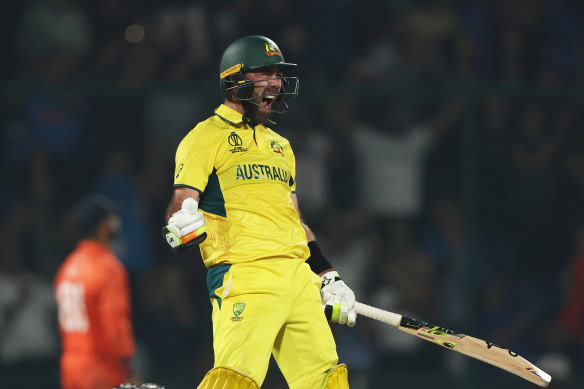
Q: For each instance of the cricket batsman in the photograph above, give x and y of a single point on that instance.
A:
(234, 196)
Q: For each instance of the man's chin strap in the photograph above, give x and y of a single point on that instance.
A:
(249, 121)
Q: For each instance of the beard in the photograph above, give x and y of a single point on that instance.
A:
(255, 114)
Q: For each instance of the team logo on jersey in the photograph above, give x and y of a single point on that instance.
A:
(237, 310)
(235, 141)
(277, 148)
(272, 49)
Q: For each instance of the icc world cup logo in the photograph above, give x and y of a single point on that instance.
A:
(234, 139)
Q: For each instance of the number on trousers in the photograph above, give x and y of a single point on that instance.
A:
(72, 311)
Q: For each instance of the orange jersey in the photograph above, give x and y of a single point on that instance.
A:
(573, 314)
(93, 299)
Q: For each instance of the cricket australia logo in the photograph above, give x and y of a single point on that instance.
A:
(277, 148)
(235, 141)
(237, 310)
(272, 49)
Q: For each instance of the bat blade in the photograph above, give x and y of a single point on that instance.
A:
(482, 350)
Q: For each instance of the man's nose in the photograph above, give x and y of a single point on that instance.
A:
(275, 83)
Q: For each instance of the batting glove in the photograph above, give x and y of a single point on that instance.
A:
(186, 227)
(338, 300)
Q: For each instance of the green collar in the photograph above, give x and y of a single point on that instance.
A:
(232, 116)
(229, 115)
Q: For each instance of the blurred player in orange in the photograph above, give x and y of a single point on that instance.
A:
(572, 316)
(93, 298)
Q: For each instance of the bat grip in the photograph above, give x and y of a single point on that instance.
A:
(378, 314)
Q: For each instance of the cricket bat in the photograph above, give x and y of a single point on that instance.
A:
(480, 349)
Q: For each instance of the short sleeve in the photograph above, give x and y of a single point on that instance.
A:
(195, 159)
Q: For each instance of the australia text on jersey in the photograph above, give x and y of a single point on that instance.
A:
(258, 171)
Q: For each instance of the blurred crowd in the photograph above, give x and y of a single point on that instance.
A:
(440, 162)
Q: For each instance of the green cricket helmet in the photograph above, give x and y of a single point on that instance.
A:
(251, 53)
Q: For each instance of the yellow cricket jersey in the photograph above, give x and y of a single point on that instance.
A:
(245, 177)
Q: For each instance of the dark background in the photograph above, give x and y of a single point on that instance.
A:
(96, 95)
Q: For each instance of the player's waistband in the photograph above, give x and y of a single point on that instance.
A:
(216, 273)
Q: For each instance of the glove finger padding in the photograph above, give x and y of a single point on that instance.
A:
(190, 205)
(338, 300)
(352, 318)
(186, 227)
(173, 228)
(343, 314)
(188, 223)
(188, 218)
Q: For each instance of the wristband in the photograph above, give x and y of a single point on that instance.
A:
(317, 262)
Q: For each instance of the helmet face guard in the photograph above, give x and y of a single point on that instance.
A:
(248, 54)
(240, 87)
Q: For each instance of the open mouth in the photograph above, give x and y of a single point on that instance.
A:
(267, 101)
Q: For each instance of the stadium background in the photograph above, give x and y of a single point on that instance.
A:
(95, 96)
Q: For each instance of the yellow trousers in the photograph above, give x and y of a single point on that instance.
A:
(271, 306)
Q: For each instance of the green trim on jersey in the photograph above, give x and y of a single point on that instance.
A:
(212, 200)
(230, 121)
(215, 279)
(188, 186)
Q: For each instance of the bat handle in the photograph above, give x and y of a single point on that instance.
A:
(378, 314)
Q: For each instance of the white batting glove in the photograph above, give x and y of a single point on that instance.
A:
(186, 227)
(338, 300)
